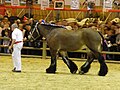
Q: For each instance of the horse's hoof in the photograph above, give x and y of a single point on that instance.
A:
(102, 74)
(74, 72)
(103, 70)
(81, 72)
(50, 71)
(47, 71)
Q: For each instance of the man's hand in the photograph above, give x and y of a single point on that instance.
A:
(11, 46)
(25, 39)
(10, 49)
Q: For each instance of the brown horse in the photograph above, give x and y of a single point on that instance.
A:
(62, 40)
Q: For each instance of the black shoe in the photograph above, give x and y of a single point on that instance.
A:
(14, 70)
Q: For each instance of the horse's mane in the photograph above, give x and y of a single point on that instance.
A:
(52, 25)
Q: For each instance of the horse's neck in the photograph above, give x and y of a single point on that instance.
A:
(44, 30)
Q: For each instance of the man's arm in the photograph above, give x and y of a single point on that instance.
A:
(12, 43)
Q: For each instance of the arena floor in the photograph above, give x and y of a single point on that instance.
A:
(33, 76)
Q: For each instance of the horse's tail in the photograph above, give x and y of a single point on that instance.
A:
(104, 42)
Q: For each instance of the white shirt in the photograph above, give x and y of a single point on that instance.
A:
(17, 35)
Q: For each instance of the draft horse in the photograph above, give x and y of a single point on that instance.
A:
(61, 40)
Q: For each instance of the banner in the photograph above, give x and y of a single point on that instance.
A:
(75, 4)
(97, 2)
(107, 4)
(67, 2)
(91, 4)
(15, 2)
(44, 4)
(39, 1)
(2, 2)
(59, 4)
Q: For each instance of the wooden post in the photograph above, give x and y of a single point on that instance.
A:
(20, 12)
(81, 11)
(48, 15)
(44, 49)
(107, 17)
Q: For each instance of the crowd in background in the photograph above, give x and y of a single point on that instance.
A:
(6, 27)
(111, 31)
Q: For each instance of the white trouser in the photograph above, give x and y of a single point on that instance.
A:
(16, 55)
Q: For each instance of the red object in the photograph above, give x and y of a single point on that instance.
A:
(2, 10)
(25, 18)
(65, 9)
(17, 42)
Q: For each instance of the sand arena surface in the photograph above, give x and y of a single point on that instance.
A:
(33, 76)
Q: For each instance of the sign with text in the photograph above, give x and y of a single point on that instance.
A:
(59, 4)
(15, 2)
(90, 4)
(44, 4)
(107, 4)
(75, 4)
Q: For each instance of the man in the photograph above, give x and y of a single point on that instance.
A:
(17, 44)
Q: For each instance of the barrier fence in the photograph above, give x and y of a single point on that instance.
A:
(65, 9)
(65, 13)
(44, 49)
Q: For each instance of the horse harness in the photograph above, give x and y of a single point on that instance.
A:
(33, 31)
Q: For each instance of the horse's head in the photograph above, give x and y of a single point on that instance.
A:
(34, 33)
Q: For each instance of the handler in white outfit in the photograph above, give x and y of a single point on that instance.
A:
(17, 44)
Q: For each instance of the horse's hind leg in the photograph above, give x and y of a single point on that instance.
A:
(103, 67)
(71, 65)
(52, 67)
(85, 67)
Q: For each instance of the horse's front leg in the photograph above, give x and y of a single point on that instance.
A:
(71, 65)
(52, 67)
(85, 67)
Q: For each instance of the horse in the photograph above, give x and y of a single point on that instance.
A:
(60, 40)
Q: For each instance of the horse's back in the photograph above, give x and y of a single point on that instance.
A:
(65, 39)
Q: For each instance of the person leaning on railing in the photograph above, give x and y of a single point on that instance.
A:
(118, 38)
(5, 33)
(6, 42)
(0, 36)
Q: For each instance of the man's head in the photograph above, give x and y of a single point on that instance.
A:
(28, 27)
(20, 25)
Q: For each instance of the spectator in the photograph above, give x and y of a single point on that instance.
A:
(6, 42)
(14, 25)
(0, 36)
(26, 30)
(6, 27)
(118, 39)
(71, 22)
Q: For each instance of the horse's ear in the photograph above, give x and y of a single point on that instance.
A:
(41, 21)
